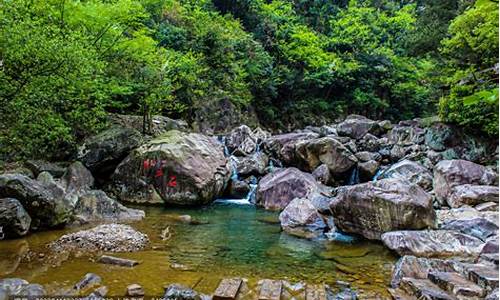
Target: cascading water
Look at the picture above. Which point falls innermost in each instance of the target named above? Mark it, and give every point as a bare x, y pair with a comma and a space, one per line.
377, 175
354, 178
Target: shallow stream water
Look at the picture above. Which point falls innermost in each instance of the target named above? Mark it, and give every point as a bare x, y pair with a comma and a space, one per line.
228, 240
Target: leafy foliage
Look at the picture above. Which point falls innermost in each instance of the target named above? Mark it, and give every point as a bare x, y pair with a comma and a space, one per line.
66, 64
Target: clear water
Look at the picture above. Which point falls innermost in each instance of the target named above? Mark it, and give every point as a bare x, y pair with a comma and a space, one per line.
229, 240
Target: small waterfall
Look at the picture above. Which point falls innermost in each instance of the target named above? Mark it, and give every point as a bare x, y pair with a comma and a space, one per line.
377, 175
222, 140
250, 198
234, 169
354, 178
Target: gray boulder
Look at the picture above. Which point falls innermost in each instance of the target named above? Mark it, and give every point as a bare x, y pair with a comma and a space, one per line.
175, 168
283, 146
418, 267
470, 194
355, 126
411, 171
277, 189
103, 152
406, 135
451, 173
252, 165
95, 205
372, 208
301, 218
326, 151
477, 227
433, 243
14, 220
46, 207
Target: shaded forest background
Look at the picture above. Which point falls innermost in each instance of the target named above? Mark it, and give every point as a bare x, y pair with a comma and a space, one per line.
66, 64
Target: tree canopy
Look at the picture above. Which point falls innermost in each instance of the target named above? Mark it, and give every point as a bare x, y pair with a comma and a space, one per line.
66, 64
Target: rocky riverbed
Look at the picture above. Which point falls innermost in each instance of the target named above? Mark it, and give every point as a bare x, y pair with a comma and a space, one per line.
425, 190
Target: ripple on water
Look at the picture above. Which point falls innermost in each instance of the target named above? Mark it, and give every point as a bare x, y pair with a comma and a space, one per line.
221, 240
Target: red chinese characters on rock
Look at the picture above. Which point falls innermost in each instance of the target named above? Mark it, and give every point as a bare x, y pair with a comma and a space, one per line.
155, 168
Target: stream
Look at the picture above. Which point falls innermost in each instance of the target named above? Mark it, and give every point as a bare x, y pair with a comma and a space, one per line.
225, 239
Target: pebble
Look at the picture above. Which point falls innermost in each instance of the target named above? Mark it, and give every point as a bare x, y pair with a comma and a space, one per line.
135, 290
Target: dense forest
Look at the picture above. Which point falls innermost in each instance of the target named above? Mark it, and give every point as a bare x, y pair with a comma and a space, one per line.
66, 64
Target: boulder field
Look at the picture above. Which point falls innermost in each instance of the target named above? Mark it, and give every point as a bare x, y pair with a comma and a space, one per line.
426, 190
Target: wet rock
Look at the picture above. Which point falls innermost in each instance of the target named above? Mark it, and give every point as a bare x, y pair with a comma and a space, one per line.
95, 205
433, 243
424, 289
103, 152
46, 208
111, 260
451, 173
238, 189
283, 146
367, 170
369, 143
372, 208
88, 281
322, 174
418, 267
243, 141
301, 218
469, 194
14, 220
477, 227
365, 156
397, 152
108, 237
176, 168
252, 165
180, 292
77, 178
39, 166
492, 296
326, 151
12, 286
456, 285
411, 171
406, 135
356, 127
465, 213
32, 290
135, 290
276, 190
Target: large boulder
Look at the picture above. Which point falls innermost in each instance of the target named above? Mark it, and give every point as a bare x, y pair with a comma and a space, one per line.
479, 227
418, 267
176, 168
470, 194
14, 220
283, 146
451, 173
39, 166
372, 208
95, 205
411, 171
406, 135
277, 189
46, 206
445, 137
108, 237
433, 243
326, 151
356, 127
243, 141
255, 164
301, 218
103, 152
